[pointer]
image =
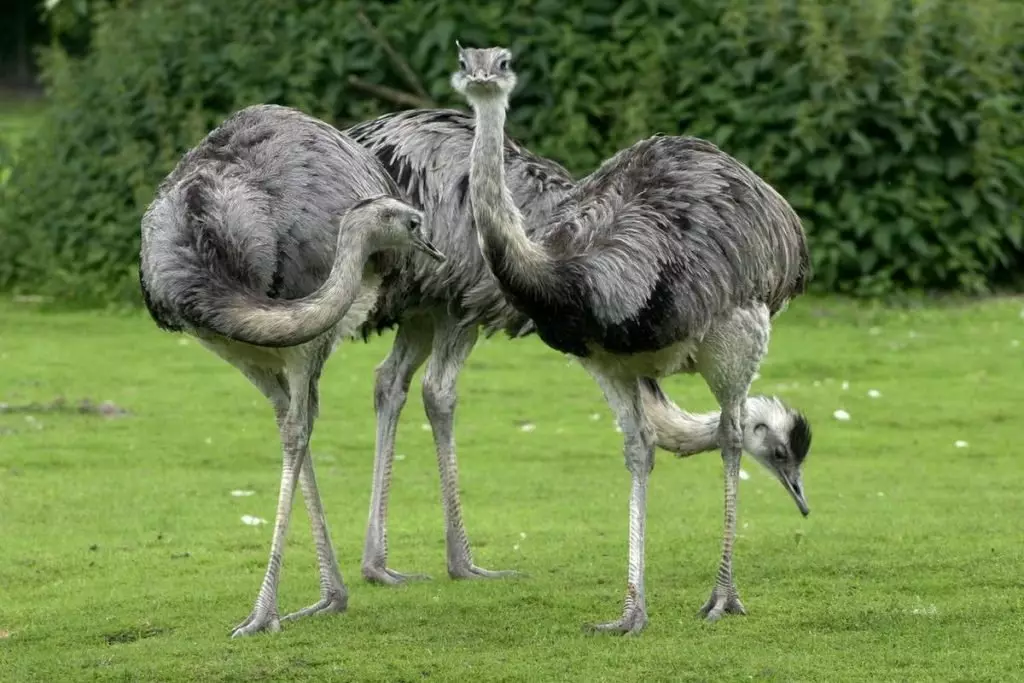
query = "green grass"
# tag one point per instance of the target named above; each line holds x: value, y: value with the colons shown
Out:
x: 122, y: 554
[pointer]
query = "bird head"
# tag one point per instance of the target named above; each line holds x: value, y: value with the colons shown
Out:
x: 394, y: 224
x: 779, y: 438
x: 484, y: 73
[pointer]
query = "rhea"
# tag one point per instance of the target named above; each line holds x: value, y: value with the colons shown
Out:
x: 268, y: 243
x: 672, y: 257
x: 441, y: 309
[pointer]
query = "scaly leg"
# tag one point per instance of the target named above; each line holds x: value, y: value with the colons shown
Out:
x: 394, y: 375
x: 728, y: 358
x: 725, y: 599
x: 295, y: 440
x: 333, y: 593
x: 452, y: 345
x: 623, y: 395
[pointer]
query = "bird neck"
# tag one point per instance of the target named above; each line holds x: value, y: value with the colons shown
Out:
x: 331, y: 301
x: 686, y: 433
x: 516, y: 261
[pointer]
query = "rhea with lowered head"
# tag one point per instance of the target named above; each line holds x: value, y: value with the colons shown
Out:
x: 268, y: 243
x: 672, y: 257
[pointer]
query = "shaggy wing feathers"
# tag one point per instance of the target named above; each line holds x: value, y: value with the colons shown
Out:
x: 427, y: 152
x: 255, y: 206
x: 667, y: 235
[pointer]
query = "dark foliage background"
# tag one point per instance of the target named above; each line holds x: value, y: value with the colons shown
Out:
x: 895, y: 127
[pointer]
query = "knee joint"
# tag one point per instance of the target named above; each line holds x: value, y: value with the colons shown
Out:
x: 295, y: 434
x: 438, y: 397
x: 639, y: 451
x: 730, y: 431
x: 389, y: 387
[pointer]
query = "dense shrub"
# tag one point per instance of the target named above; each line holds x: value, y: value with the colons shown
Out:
x: 895, y: 127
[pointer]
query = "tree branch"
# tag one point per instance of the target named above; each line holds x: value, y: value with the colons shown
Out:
x: 390, y: 94
x: 396, y: 59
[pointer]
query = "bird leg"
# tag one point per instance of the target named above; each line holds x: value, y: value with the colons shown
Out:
x: 452, y: 346
x: 394, y: 375
x: 724, y: 597
x: 728, y: 358
x: 295, y: 441
x: 624, y: 398
x: 333, y: 593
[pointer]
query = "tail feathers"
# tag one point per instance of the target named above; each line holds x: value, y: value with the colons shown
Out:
x: 215, y: 296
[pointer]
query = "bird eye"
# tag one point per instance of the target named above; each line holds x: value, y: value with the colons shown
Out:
x: 462, y: 64
x: 780, y: 453
x: 503, y: 64
x: 414, y: 222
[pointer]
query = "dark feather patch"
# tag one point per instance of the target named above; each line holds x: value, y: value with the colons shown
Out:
x: 462, y: 190
x: 162, y: 315
x: 800, y: 437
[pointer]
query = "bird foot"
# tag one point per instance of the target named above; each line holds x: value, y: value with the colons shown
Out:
x: 722, y: 602
x: 473, y: 572
x: 633, y: 620
x: 258, y: 621
x: 333, y: 603
x: 389, y: 577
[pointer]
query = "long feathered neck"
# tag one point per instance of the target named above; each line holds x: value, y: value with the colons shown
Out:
x: 336, y: 295
x: 500, y: 225
x: 686, y: 433
x: 678, y: 431
x: 281, y: 323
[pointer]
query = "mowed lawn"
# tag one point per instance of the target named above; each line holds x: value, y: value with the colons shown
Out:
x: 123, y: 555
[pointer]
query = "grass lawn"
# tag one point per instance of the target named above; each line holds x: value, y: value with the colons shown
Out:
x: 123, y: 555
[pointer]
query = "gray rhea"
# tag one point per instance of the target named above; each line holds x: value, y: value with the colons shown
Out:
x: 672, y: 257
x: 440, y: 308
x: 268, y: 243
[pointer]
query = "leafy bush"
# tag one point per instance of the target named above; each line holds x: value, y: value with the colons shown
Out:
x: 894, y: 127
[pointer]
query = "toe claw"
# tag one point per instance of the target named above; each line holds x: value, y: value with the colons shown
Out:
x: 389, y: 577
x: 632, y: 622
x: 257, y: 622
x: 334, y: 603
x: 721, y: 603
x: 474, y: 572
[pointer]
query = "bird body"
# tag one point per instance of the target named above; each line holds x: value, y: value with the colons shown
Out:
x: 249, y: 218
x: 665, y: 237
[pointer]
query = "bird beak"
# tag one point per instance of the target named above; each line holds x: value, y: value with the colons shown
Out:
x: 424, y: 245
x: 796, y: 489
x: 481, y: 77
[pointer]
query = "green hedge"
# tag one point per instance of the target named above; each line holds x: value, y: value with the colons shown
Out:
x: 894, y: 127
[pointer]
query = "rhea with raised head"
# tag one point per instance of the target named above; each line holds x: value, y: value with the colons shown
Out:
x: 672, y: 257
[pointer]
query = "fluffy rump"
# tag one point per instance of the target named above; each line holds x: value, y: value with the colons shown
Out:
x: 253, y: 209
